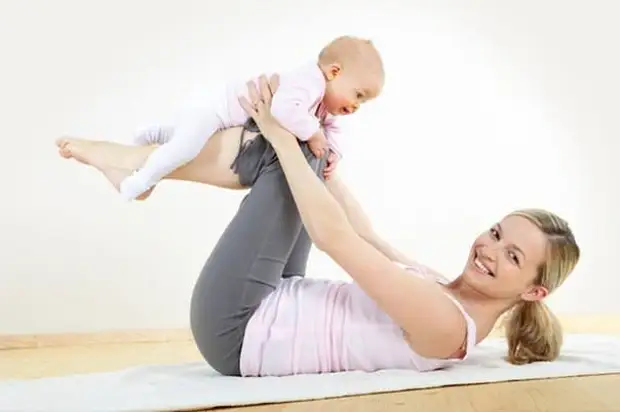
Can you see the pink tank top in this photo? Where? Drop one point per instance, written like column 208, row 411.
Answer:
column 320, row 326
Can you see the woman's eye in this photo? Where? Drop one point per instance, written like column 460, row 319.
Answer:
column 514, row 257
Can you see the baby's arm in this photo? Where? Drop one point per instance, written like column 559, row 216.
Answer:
column 190, row 134
column 334, row 133
column 317, row 143
column 297, row 94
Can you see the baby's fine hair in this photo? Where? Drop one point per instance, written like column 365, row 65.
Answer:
column 352, row 51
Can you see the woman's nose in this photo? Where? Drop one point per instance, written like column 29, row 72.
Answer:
column 490, row 253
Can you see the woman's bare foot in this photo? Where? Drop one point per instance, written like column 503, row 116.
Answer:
column 115, row 161
column 63, row 150
column 103, row 153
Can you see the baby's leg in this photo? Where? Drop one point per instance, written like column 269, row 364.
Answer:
column 190, row 136
column 155, row 135
column 152, row 136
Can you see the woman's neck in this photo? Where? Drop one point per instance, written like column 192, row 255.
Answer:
column 484, row 310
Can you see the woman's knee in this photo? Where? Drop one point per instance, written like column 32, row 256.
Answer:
column 256, row 156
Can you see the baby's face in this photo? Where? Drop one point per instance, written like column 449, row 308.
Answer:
column 348, row 90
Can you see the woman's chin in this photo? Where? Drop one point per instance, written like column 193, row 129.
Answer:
column 475, row 277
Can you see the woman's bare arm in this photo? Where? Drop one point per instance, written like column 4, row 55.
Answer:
column 361, row 223
column 434, row 325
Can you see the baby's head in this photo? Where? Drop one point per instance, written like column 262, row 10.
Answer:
column 354, row 72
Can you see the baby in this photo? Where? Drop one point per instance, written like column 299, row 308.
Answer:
column 349, row 72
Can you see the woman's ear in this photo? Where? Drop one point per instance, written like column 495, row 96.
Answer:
column 535, row 293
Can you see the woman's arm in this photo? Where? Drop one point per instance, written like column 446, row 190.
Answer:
column 434, row 325
column 361, row 223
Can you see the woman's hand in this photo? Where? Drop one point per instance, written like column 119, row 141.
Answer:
column 259, row 107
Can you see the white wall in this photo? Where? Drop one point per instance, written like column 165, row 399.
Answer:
column 489, row 106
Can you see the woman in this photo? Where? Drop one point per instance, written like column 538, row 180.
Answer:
column 254, row 314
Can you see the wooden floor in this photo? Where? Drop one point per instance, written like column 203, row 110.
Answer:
column 584, row 394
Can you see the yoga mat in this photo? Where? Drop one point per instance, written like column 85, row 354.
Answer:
column 191, row 386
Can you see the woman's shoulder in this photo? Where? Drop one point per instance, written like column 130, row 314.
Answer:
column 434, row 276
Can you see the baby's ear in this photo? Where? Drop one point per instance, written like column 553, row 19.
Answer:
column 333, row 71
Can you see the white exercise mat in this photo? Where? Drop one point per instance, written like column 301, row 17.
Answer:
column 194, row 385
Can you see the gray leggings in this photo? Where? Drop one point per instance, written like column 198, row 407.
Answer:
column 264, row 242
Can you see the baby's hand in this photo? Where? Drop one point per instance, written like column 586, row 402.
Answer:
column 332, row 161
column 318, row 144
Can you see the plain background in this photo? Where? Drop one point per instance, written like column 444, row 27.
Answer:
column 489, row 106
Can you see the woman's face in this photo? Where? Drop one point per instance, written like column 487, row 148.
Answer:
column 504, row 260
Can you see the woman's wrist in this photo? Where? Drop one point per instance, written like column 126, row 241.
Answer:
column 277, row 135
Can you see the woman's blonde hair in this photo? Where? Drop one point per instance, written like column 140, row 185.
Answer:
column 533, row 332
